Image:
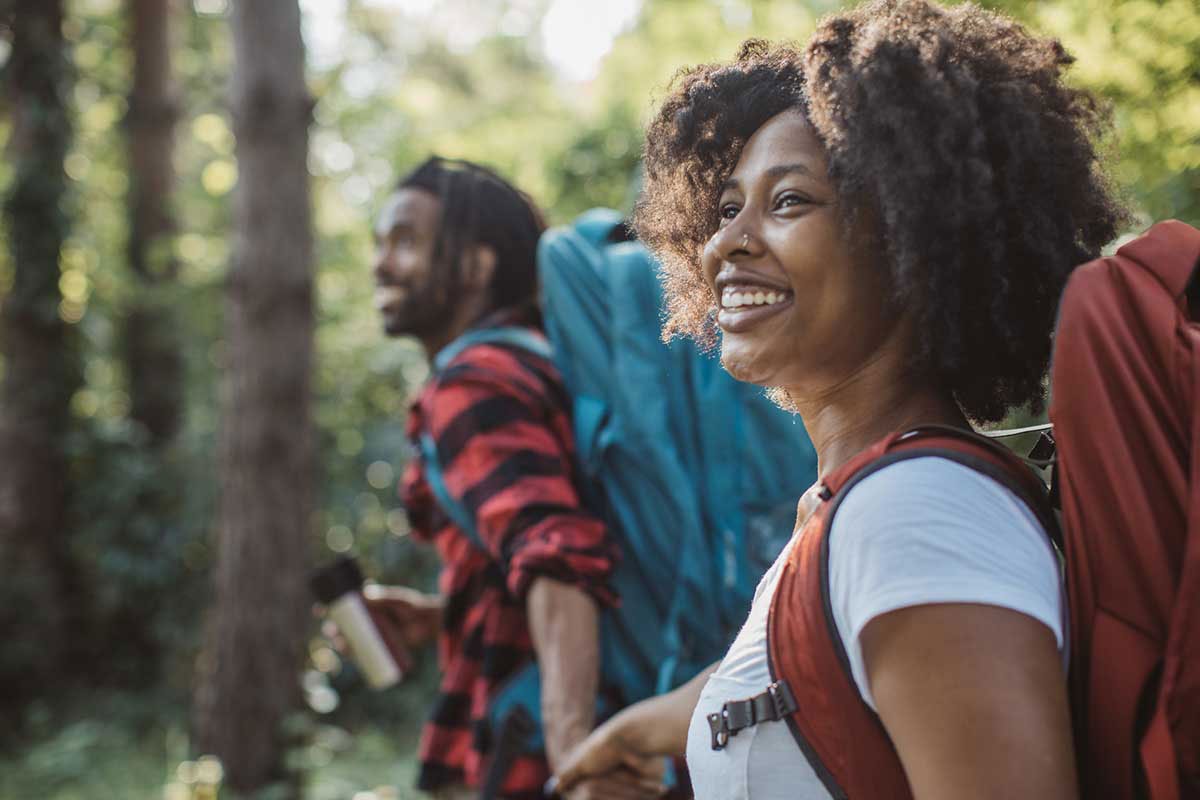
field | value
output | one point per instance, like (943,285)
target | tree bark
(256,636)
(152,354)
(40,364)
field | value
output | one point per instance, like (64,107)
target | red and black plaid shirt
(499,416)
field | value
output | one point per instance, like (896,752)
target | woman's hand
(635,740)
(611,749)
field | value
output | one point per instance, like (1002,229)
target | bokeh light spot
(326,660)
(209,770)
(219,177)
(85,403)
(397,522)
(192,247)
(212,8)
(74,286)
(77,166)
(212,131)
(380,474)
(339,538)
(186,772)
(71,312)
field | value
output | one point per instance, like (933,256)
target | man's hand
(608,755)
(406,620)
(634,741)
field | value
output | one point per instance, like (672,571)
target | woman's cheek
(710,264)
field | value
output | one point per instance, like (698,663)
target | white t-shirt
(922,530)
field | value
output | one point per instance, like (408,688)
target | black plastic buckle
(776,703)
(720,729)
(784,700)
(1044,448)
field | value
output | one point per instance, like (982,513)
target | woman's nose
(732,241)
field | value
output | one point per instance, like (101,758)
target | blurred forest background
(148,299)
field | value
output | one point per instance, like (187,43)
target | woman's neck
(880,397)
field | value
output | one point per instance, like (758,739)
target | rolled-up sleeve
(507,457)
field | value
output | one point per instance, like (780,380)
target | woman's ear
(480,266)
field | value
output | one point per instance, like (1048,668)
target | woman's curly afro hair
(954,129)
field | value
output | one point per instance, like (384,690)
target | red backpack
(1125,382)
(1125,386)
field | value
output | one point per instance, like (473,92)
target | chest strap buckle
(776,703)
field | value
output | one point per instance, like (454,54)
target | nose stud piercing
(745,241)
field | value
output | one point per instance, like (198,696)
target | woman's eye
(791,199)
(728,211)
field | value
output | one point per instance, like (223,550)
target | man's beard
(422,311)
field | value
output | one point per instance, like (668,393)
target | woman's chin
(745,367)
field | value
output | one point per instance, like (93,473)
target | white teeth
(732,298)
(386,295)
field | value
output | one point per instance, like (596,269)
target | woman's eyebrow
(780,170)
(773,173)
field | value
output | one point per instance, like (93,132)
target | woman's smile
(744,307)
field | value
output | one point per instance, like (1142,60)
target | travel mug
(339,587)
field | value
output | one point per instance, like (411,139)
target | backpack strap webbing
(509,335)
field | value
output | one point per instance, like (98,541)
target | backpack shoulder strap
(840,735)
(512,336)
(983,454)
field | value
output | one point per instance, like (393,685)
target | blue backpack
(696,474)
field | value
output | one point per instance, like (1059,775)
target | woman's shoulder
(928,529)
(926,489)
(930,513)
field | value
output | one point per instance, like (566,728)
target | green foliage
(391,89)
(134,746)
(1144,57)
(146,563)
(101,744)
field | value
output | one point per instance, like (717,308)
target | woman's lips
(744,318)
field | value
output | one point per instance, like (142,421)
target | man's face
(407,293)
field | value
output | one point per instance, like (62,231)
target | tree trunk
(152,354)
(40,364)
(150,342)
(250,671)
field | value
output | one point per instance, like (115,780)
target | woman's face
(798,304)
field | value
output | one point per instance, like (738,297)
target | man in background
(456,255)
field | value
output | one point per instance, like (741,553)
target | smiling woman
(953,133)
(779,230)
(878,227)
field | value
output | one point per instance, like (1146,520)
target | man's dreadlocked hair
(953,128)
(481,208)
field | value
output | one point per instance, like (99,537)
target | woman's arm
(991,720)
(657,726)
